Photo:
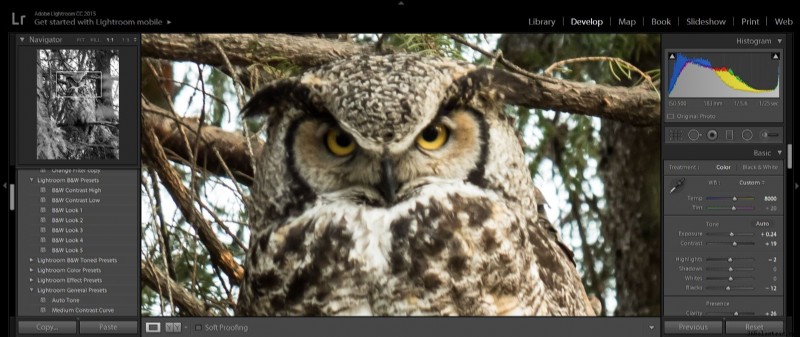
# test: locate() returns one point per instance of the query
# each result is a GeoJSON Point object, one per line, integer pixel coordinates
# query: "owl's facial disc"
{"type": "Point", "coordinates": [328, 159]}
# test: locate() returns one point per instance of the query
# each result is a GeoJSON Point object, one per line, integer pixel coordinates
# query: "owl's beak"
{"type": "Point", "coordinates": [388, 183]}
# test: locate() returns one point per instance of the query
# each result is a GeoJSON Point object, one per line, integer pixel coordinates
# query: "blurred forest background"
{"type": "Point", "coordinates": [596, 162]}
{"type": "Point", "coordinates": [77, 104]}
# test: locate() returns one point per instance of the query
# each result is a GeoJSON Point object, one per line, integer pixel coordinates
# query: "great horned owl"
{"type": "Point", "coordinates": [76, 76]}
{"type": "Point", "coordinates": [396, 185]}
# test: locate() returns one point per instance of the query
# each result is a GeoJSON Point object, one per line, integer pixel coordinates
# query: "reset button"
{"type": "Point", "coordinates": [754, 328]}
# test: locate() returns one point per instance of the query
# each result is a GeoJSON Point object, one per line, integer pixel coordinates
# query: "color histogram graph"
{"type": "Point", "coordinates": [724, 75]}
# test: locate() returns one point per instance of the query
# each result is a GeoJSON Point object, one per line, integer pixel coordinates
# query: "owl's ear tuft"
{"type": "Point", "coordinates": [494, 85]}
{"type": "Point", "coordinates": [276, 97]}
{"type": "Point", "coordinates": [511, 88]}
{"type": "Point", "coordinates": [465, 88]}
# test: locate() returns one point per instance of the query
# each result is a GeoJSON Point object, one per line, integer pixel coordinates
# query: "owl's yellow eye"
{"type": "Point", "coordinates": [339, 143]}
{"type": "Point", "coordinates": [433, 137]}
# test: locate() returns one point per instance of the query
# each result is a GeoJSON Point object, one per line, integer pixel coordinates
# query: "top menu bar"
{"type": "Point", "coordinates": [393, 17]}
{"type": "Point", "coordinates": [660, 23]}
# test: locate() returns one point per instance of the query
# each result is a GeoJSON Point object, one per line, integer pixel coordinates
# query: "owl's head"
{"type": "Point", "coordinates": [376, 129]}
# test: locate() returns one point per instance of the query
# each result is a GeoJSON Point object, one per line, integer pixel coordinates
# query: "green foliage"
{"type": "Point", "coordinates": [428, 44]}
{"type": "Point", "coordinates": [538, 51]}
{"type": "Point", "coordinates": [219, 87]}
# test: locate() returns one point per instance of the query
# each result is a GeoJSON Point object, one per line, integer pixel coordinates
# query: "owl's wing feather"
{"type": "Point", "coordinates": [563, 293]}
{"type": "Point", "coordinates": [545, 223]}
{"type": "Point", "coordinates": [275, 97]}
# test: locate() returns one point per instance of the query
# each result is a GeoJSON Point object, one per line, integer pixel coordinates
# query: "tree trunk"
{"type": "Point", "coordinates": [102, 59]}
{"type": "Point", "coordinates": [632, 222]}
{"type": "Point", "coordinates": [630, 169]}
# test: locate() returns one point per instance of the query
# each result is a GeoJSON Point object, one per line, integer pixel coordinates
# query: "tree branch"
{"type": "Point", "coordinates": [154, 156]}
{"type": "Point", "coordinates": [630, 105]}
{"type": "Point", "coordinates": [112, 124]}
{"type": "Point", "coordinates": [230, 146]}
{"type": "Point", "coordinates": [96, 145]}
{"type": "Point", "coordinates": [634, 106]}
{"type": "Point", "coordinates": [156, 280]}
{"type": "Point", "coordinates": [247, 49]}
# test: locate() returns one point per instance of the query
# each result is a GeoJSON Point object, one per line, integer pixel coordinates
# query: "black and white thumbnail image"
{"type": "Point", "coordinates": [77, 106]}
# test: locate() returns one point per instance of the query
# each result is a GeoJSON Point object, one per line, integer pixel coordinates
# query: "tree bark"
{"type": "Point", "coordinates": [632, 221]}
{"type": "Point", "coordinates": [247, 49]}
{"type": "Point", "coordinates": [634, 106]}
{"type": "Point", "coordinates": [630, 168]}
{"type": "Point", "coordinates": [103, 63]}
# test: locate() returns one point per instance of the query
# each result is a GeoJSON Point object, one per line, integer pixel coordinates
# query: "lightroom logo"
{"type": "Point", "coordinates": [14, 19]}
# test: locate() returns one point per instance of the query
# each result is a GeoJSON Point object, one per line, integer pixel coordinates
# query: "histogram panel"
{"type": "Point", "coordinates": [723, 86]}
{"type": "Point", "coordinates": [724, 75]}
